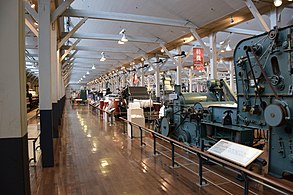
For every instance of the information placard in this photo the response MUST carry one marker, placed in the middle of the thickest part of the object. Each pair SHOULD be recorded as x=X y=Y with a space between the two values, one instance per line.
x=237 y=153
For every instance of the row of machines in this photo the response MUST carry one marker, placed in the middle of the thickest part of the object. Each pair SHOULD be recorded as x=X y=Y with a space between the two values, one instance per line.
x=263 y=109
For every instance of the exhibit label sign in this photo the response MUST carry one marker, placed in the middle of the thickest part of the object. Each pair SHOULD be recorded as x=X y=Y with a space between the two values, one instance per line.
x=234 y=152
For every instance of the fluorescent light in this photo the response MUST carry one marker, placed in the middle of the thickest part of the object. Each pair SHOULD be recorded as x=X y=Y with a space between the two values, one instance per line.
x=278 y=3
x=120 y=42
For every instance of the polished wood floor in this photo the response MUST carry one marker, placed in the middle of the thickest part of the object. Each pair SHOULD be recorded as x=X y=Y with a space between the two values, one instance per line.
x=93 y=157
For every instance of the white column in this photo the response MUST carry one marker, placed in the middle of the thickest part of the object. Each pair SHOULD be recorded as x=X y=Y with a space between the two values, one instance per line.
x=54 y=78
x=231 y=75
x=123 y=80
x=198 y=87
x=54 y=62
x=190 y=80
x=179 y=69
x=157 y=81
x=213 y=60
x=113 y=84
x=142 y=76
x=13 y=78
x=275 y=17
x=13 y=121
x=59 y=75
x=45 y=92
x=149 y=83
x=131 y=75
x=45 y=56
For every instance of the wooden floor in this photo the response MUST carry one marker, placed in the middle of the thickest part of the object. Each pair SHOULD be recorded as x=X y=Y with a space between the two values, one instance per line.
x=92 y=157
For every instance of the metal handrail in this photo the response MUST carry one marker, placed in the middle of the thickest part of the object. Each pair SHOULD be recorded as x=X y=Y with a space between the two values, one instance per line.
x=204 y=155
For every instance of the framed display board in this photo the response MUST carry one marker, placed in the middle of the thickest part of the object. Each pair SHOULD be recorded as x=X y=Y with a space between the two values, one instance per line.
x=234 y=152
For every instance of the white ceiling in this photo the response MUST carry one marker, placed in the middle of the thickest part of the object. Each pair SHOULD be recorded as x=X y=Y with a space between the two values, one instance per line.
x=198 y=12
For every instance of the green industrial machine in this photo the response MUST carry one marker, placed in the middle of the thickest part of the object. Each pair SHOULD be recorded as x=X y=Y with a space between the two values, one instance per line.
x=264 y=75
x=183 y=114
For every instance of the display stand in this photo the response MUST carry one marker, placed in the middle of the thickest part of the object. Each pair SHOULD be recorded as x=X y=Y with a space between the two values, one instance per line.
x=234 y=152
x=135 y=115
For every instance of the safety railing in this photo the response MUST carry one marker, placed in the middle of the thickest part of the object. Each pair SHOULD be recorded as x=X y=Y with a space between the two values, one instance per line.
x=110 y=114
x=203 y=156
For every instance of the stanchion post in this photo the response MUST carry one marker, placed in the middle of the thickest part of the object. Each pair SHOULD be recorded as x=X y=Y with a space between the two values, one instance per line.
x=246 y=183
x=155 y=145
x=124 y=127
x=112 y=119
x=141 y=141
x=200 y=169
x=173 y=154
x=131 y=131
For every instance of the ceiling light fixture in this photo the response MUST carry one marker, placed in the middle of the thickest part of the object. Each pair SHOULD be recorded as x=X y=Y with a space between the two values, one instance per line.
x=103 y=58
x=87 y=72
x=188 y=39
x=228 y=48
x=33 y=6
x=278 y=3
x=162 y=50
x=120 y=42
x=83 y=76
x=93 y=67
x=81 y=79
x=142 y=59
x=231 y=20
x=123 y=38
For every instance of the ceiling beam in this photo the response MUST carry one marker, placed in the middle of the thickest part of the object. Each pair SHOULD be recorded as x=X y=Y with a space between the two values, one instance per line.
x=69 y=50
x=224 y=44
x=102 y=49
x=70 y=57
x=31 y=11
x=31 y=26
x=257 y=15
x=243 y=31
x=60 y=9
x=109 y=37
x=68 y=35
x=202 y=44
x=123 y=17
x=31 y=47
x=220 y=24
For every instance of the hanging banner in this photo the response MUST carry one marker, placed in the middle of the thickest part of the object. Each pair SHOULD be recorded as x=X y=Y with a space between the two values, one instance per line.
x=198 y=58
